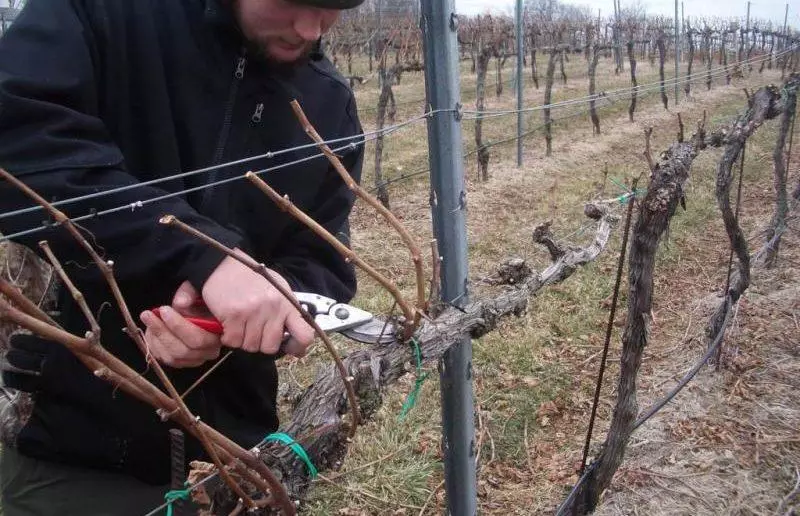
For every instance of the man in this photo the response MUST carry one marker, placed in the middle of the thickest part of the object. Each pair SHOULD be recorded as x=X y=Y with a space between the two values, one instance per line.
x=101 y=94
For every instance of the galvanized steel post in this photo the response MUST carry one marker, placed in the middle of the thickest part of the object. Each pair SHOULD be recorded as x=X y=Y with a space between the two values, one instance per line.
x=520 y=54
x=677 y=51
x=439 y=25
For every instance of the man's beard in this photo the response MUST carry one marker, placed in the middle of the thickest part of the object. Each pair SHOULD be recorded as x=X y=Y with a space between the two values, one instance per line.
x=285 y=68
x=259 y=49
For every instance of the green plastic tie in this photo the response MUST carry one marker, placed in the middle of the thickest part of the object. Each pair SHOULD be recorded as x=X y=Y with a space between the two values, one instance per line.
x=173 y=496
x=296 y=448
x=411 y=399
x=619 y=184
x=626 y=197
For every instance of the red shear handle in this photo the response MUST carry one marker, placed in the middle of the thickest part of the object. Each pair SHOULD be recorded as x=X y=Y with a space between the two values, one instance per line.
x=209 y=325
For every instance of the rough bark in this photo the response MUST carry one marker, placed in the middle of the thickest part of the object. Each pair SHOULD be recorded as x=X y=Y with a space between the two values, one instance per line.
x=592 y=108
x=534 y=70
x=662 y=55
x=500 y=61
x=484 y=55
x=664 y=194
x=724 y=55
x=765 y=105
x=634 y=84
x=316 y=421
x=616 y=43
x=380 y=119
x=387 y=107
x=548 y=96
x=709 y=60
x=561 y=66
x=778 y=223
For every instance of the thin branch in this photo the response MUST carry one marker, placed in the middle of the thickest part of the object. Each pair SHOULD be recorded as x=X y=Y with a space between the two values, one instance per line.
x=430 y=497
x=205 y=375
x=413 y=318
x=286 y=205
x=77 y=295
x=25 y=304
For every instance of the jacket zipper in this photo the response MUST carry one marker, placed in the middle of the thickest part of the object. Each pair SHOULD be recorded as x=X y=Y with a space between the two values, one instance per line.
x=256 y=118
x=222 y=141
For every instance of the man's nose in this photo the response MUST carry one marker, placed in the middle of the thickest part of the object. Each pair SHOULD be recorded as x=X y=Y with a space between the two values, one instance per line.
x=308 y=24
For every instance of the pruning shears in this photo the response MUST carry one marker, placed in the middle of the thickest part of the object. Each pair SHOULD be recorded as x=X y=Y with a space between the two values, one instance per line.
x=331 y=316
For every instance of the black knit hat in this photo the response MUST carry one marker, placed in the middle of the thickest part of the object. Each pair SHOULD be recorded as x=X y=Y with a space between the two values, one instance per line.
x=330 y=4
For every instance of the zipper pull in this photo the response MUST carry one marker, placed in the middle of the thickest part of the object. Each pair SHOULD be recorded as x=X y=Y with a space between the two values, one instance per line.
x=256 y=118
x=240 y=64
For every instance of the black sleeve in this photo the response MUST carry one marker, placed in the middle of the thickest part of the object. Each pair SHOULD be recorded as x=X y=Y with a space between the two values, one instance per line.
x=51 y=138
x=308 y=262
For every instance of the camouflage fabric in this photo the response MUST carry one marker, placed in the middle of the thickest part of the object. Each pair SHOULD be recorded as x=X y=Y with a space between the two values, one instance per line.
x=15 y=409
x=33 y=277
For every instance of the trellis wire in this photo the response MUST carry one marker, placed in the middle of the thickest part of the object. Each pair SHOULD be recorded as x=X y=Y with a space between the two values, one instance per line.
x=621 y=93
x=365 y=137
x=425 y=170
x=368 y=136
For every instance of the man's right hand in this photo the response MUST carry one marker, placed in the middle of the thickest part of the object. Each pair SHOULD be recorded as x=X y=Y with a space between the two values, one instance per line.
x=253 y=313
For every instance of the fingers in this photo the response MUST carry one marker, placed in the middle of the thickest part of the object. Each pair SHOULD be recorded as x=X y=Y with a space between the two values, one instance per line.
x=185 y=297
x=176 y=342
x=302 y=334
x=253 y=313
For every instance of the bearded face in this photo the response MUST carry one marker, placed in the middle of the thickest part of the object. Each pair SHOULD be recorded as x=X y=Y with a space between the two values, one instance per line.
x=282 y=32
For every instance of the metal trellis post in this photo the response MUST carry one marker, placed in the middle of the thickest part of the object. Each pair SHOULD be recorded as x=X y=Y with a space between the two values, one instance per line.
x=439 y=25
x=677 y=51
x=520 y=53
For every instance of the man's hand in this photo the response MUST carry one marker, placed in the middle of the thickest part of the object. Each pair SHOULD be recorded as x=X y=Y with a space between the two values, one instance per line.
x=253 y=313
x=173 y=340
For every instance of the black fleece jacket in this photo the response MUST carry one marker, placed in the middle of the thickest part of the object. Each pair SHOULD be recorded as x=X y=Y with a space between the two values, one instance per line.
x=101 y=94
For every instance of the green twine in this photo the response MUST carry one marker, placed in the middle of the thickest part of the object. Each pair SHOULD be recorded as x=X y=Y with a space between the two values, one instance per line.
x=620 y=185
x=411 y=399
x=296 y=448
x=173 y=496
x=624 y=198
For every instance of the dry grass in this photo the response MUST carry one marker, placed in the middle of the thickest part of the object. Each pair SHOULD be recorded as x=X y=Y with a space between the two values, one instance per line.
x=534 y=376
